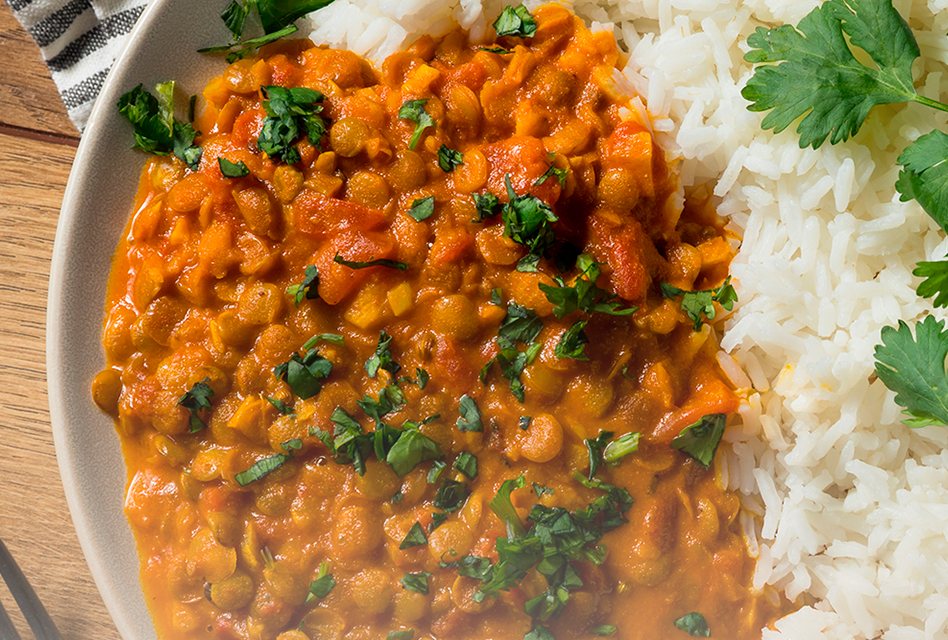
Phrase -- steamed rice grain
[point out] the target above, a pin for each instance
(851, 506)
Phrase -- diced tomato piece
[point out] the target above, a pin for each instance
(320, 216)
(336, 281)
(709, 394)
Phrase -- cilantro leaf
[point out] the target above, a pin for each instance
(196, 400)
(695, 624)
(390, 400)
(291, 112)
(402, 634)
(422, 208)
(603, 630)
(595, 447)
(699, 305)
(411, 449)
(519, 325)
(308, 289)
(515, 21)
(525, 422)
(819, 76)
(417, 582)
(560, 175)
(276, 14)
(156, 130)
(304, 374)
(936, 281)
(438, 518)
(503, 508)
(915, 370)
(434, 472)
(584, 294)
(414, 538)
(499, 50)
(261, 468)
(449, 159)
(280, 406)
(487, 206)
(382, 358)
(466, 463)
(512, 362)
(700, 440)
(237, 50)
(539, 632)
(322, 585)
(414, 110)
(233, 169)
(451, 495)
(527, 221)
(234, 17)
(572, 344)
(423, 378)
(355, 264)
(332, 338)
(924, 176)
(542, 490)
(470, 419)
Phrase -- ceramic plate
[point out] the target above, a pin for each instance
(97, 203)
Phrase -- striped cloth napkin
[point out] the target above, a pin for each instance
(80, 40)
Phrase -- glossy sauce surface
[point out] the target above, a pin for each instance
(198, 295)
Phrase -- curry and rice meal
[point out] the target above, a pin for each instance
(431, 349)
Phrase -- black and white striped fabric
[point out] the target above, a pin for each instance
(79, 40)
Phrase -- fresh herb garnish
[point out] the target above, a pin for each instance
(451, 495)
(699, 305)
(438, 518)
(525, 422)
(915, 369)
(411, 449)
(304, 374)
(403, 634)
(196, 400)
(553, 171)
(331, 338)
(503, 508)
(422, 208)
(437, 466)
(322, 585)
(264, 467)
(572, 344)
(275, 14)
(290, 112)
(423, 378)
(515, 21)
(499, 50)
(382, 358)
(466, 463)
(519, 325)
(156, 130)
(233, 169)
(417, 582)
(539, 632)
(603, 630)
(235, 15)
(276, 17)
(695, 624)
(449, 159)
(620, 448)
(237, 50)
(281, 406)
(527, 221)
(308, 289)
(700, 440)
(414, 538)
(355, 264)
(414, 110)
(542, 490)
(470, 419)
(487, 206)
(594, 448)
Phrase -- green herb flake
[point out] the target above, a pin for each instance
(234, 17)
(233, 169)
(603, 630)
(382, 358)
(499, 50)
(237, 50)
(304, 374)
(331, 338)
(583, 295)
(449, 159)
(322, 585)
(542, 490)
(487, 206)
(503, 508)
(308, 289)
(699, 305)
(525, 422)
(355, 264)
(619, 448)
(437, 519)
(700, 440)
(417, 582)
(451, 495)
(466, 463)
(572, 344)
(539, 632)
(414, 110)
(411, 449)
(261, 468)
(924, 176)
(422, 208)
(553, 171)
(414, 538)
(515, 21)
(470, 419)
(527, 221)
(155, 128)
(403, 634)
(196, 400)
(935, 284)
(281, 406)
(291, 113)
(423, 378)
(695, 624)
(595, 448)
(435, 471)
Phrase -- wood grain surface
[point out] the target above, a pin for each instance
(37, 146)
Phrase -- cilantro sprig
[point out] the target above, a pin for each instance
(276, 17)
(291, 113)
(414, 110)
(156, 129)
(197, 400)
(699, 305)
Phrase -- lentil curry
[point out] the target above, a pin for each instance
(406, 357)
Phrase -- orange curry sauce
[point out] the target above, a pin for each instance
(198, 294)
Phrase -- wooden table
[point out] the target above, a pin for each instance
(37, 146)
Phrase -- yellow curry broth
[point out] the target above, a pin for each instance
(198, 294)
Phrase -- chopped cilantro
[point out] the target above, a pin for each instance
(539, 632)
(603, 630)
(308, 289)
(499, 50)
(525, 422)
(233, 169)
(542, 490)
(700, 440)
(411, 449)
(503, 508)
(402, 634)
(512, 362)
(438, 518)
(935, 284)
(449, 159)
(237, 50)
(496, 297)
(572, 344)
(434, 472)
(515, 21)
(382, 358)
(695, 624)
(487, 206)
(417, 582)
(414, 538)
(234, 17)
(390, 400)
(423, 378)
(281, 406)
(422, 208)
(451, 495)
(519, 325)
(354, 264)
(466, 463)
(196, 400)
(275, 14)
(584, 294)
(261, 468)
(304, 374)
(470, 419)
(290, 112)
(620, 448)
(595, 447)
(699, 305)
(414, 110)
(553, 171)
(527, 221)
(924, 176)
(322, 585)
(332, 338)
(156, 130)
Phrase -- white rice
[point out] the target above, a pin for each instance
(851, 506)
